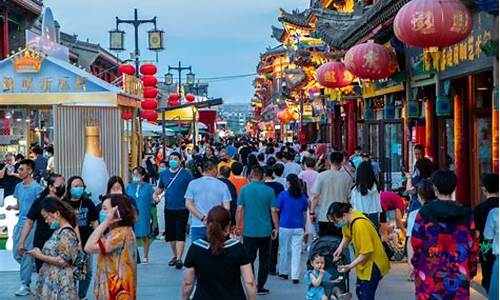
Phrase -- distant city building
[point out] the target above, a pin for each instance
(234, 117)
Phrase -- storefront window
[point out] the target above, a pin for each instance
(484, 143)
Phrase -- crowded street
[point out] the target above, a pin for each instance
(234, 150)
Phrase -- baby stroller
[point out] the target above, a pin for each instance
(326, 246)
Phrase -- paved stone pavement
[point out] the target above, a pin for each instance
(158, 281)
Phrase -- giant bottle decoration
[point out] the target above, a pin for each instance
(94, 170)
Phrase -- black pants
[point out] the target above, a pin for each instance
(326, 228)
(263, 245)
(487, 260)
(274, 255)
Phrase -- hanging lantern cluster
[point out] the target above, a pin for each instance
(285, 116)
(150, 92)
(174, 99)
(433, 25)
(370, 61)
(334, 75)
(127, 114)
(127, 69)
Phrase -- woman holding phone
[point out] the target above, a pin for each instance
(116, 274)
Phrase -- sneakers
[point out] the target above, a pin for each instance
(179, 264)
(23, 290)
(262, 291)
(283, 276)
(173, 261)
(295, 281)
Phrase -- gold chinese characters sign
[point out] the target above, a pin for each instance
(30, 84)
(132, 85)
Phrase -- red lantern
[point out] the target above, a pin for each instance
(174, 102)
(190, 98)
(149, 115)
(127, 115)
(149, 104)
(370, 61)
(148, 69)
(149, 80)
(126, 69)
(150, 92)
(432, 23)
(174, 97)
(334, 75)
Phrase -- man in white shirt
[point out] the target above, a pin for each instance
(291, 167)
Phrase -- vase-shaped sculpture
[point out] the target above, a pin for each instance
(94, 170)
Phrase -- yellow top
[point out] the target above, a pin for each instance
(225, 164)
(365, 239)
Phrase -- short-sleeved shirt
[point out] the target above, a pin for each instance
(26, 196)
(206, 192)
(116, 262)
(291, 210)
(365, 239)
(391, 201)
(276, 186)
(238, 182)
(42, 231)
(174, 195)
(86, 213)
(291, 167)
(309, 176)
(217, 277)
(257, 199)
(491, 229)
(331, 186)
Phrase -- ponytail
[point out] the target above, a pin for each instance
(217, 221)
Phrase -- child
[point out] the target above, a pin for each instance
(316, 278)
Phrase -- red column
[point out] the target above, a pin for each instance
(352, 137)
(462, 144)
(430, 132)
(494, 144)
(5, 34)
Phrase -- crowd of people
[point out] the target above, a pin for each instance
(241, 199)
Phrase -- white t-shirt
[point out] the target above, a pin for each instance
(331, 186)
(367, 204)
(292, 168)
(491, 229)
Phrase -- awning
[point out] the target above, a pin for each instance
(149, 129)
(181, 114)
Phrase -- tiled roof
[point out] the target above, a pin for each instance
(297, 18)
(277, 33)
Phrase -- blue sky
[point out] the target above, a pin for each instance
(218, 37)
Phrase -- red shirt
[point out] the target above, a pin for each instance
(391, 201)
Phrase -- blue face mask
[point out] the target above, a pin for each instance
(136, 179)
(77, 192)
(341, 224)
(173, 164)
(102, 216)
(55, 225)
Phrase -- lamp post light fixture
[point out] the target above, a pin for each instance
(190, 78)
(169, 78)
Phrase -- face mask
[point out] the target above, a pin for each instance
(173, 164)
(102, 216)
(161, 169)
(341, 224)
(77, 192)
(60, 191)
(55, 225)
(136, 179)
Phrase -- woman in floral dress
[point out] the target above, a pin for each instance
(55, 278)
(116, 276)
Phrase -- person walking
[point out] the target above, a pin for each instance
(224, 174)
(371, 262)
(174, 182)
(56, 189)
(333, 185)
(25, 192)
(291, 167)
(87, 221)
(489, 188)
(445, 244)
(114, 241)
(55, 278)
(309, 176)
(218, 263)
(491, 233)
(201, 195)
(365, 196)
(142, 192)
(292, 206)
(257, 208)
(236, 179)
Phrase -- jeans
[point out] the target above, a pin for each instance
(263, 246)
(493, 291)
(198, 233)
(294, 237)
(83, 285)
(26, 261)
(365, 289)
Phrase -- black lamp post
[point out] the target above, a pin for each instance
(169, 78)
(155, 37)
